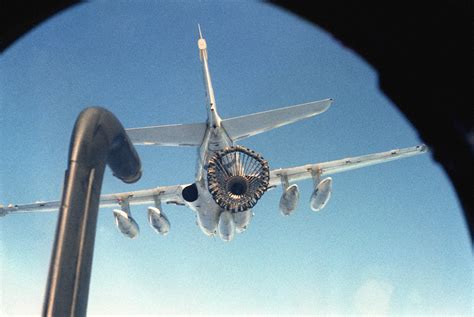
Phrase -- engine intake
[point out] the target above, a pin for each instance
(237, 177)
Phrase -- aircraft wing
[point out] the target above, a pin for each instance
(166, 194)
(169, 135)
(244, 126)
(306, 171)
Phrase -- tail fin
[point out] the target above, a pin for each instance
(213, 117)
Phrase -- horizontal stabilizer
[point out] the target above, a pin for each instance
(244, 126)
(169, 135)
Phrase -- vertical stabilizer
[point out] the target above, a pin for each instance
(213, 117)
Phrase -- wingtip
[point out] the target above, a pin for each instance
(423, 148)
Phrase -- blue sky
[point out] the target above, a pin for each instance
(391, 240)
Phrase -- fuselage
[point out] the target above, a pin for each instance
(208, 212)
(215, 139)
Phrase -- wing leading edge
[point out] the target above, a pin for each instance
(172, 194)
(299, 173)
(165, 194)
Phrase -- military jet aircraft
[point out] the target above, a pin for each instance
(230, 179)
